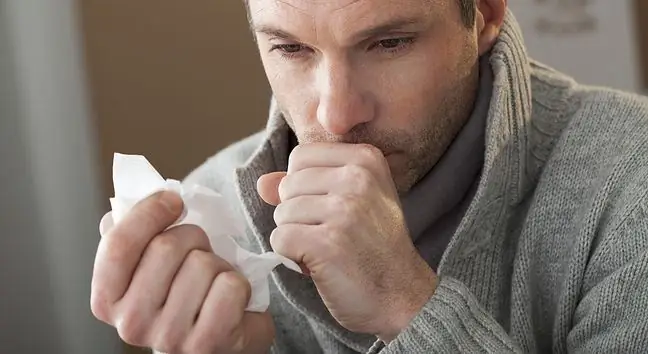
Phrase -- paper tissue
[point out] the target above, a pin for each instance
(134, 179)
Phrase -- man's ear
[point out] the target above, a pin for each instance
(490, 17)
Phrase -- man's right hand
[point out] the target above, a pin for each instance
(168, 291)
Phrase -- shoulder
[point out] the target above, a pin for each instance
(217, 171)
(571, 118)
(600, 131)
(556, 95)
(587, 118)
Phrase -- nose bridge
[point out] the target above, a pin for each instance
(343, 102)
(336, 78)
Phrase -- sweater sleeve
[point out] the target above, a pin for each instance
(452, 321)
(611, 315)
(611, 318)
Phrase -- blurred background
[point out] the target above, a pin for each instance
(176, 82)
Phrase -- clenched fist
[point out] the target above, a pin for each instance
(168, 291)
(339, 215)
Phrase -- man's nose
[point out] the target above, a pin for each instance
(343, 104)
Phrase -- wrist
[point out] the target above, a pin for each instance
(398, 322)
(403, 311)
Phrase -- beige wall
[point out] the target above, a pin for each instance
(173, 80)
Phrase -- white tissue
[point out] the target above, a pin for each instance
(135, 178)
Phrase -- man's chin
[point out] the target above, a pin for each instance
(405, 176)
(401, 175)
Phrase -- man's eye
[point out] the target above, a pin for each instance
(291, 48)
(392, 45)
(288, 50)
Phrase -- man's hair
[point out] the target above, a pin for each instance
(468, 10)
(467, 7)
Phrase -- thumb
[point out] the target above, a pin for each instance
(268, 187)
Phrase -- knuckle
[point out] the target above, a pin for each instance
(279, 239)
(100, 306)
(333, 244)
(276, 239)
(164, 244)
(132, 330)
(283, 188)
(191, 235)
(334, 235)
(202, 259)
(369, 152)
(337, 200)
(167, 341)
(279, 212)
(296, 156)
(360, 176)
(235, 282)
(347, 205)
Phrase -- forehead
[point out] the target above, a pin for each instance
(344, 12)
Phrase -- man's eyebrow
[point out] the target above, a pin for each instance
(275, 32)
(392, 25)
(374, 31)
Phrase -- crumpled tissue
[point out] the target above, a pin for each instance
(134, 179)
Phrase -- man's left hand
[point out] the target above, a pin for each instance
(338, 214)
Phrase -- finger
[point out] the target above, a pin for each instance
(304, 209)
(121, 248)
(309, 181)
(186, 296)
(221, 313)
(337, 155)
(299, 242)
(346, 180)
(267, 187)
(159, 265)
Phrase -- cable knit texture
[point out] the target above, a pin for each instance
(552, 254)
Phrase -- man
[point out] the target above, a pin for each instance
(442, 191)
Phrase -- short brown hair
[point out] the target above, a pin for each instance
(468, 12)
(467, 8)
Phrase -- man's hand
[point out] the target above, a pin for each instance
(339, 215)
(168, 291)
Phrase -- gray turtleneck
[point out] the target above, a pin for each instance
(436, 204)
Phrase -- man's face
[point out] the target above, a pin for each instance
(399, 75)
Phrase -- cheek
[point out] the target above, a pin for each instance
(412, 89)
(293, 92)
(406, 92)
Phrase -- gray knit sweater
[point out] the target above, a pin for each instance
(552, 254)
